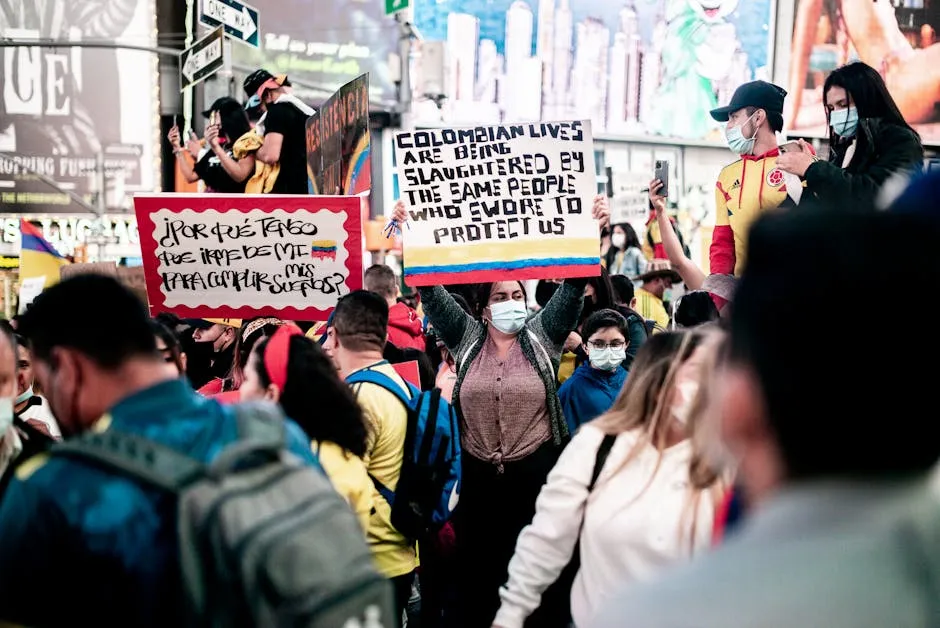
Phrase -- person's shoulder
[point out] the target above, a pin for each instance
(891, 134)
(730, 170)
(374, 396)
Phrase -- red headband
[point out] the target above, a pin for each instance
(277, 354)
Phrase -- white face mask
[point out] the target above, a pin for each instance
(607, 359)
(508, 316)
(26, 396)
(6, 414)
(618, 240)
(683, 406)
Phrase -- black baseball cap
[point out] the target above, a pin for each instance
(222, 105)
(758, 94)
(256, 80)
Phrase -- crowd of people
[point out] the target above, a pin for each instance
(624, 457)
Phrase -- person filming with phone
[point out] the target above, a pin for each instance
(215, 164)
(754, 184)
(869, 141)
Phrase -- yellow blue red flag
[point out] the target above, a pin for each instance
(38, 258)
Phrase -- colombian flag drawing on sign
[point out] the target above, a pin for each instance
(38, 258)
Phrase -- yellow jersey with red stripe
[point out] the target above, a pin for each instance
(744, 190)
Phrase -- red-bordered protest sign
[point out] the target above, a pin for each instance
(240, 256)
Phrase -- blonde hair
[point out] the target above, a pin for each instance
(643, 407)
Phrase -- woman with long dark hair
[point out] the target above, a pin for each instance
(869, 142)
(215, 163)
(293, 371)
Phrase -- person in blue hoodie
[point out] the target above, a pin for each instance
(592, 388)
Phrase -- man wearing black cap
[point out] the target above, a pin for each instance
(753, 184)
(284, 126)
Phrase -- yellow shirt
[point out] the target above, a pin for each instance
(348, 474)
(651, 308)
(387, 419)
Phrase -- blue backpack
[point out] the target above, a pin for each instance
(429, 485)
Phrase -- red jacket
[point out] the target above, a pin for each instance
(404, 328)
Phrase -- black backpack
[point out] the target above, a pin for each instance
(264, 540)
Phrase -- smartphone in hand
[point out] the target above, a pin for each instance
(790, 147)
(661, 172)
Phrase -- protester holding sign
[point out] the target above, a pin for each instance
(513, 427)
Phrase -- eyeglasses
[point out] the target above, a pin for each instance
(600, 345)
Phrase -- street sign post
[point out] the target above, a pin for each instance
(202, 59)
(394, 6)
(241, 21)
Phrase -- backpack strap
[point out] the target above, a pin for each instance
(602, 452)
(369, 376)
(383, 490)
(134, 456)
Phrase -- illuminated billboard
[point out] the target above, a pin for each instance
(61, 107)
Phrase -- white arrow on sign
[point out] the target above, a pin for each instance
(240, 21)
(198, 59)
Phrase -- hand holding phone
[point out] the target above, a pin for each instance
(790, 147)
(661, 172)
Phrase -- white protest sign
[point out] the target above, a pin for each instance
(499, 202)
(30, 288)
(630, 200)
(245, 256)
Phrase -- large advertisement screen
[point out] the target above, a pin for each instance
(61, 107)
(897, 38)
(323, 45)
(637, 68)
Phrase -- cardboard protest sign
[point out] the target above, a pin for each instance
(108, 269)
(132, 277)
(499, 202)
(339, 142)
(630, 199)
(241, 256)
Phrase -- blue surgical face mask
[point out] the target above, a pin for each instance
(844, 121)
(608, 358)
(739, 144)
(508, 316)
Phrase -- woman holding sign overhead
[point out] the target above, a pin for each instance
(512, 425)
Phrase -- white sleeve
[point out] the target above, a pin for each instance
(546, 545)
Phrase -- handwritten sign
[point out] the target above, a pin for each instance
(499, 202)
(630, 197)
(339, 142)
(240, 256)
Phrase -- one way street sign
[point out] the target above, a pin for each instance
(240, 20)
(202, 59)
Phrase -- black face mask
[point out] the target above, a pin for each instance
(199, 357)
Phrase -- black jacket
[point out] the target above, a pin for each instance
(882, 150)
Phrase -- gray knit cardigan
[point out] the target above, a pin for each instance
(542, 340)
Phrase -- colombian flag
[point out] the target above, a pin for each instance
(38, 258)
